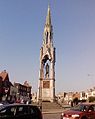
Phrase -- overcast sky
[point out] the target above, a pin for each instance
(21, 34)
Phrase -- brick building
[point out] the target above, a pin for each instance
(23, 91)
(4, 85)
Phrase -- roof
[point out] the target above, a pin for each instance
(4, 75)
(18, 104)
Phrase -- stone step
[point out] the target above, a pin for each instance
(50, 105)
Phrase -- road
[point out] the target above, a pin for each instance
(52, 116)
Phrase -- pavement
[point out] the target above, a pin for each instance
(48, 111)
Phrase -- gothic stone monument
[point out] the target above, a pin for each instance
(46, 85)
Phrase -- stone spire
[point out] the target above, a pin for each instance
(48, 17)
(48, 32)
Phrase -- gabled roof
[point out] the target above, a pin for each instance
(4, 75)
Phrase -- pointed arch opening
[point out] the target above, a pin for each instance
(46, 62)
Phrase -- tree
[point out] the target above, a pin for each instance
(75, 101)
(91, 99)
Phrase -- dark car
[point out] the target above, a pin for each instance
(80, 111)
(20, 111)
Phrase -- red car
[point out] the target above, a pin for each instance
(80, 111)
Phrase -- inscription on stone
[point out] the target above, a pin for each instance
(46, 84)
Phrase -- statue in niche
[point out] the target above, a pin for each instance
(47, 71)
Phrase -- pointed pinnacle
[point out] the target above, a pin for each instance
(48, 17)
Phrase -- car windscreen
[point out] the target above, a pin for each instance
(80, 107)
(2, 107)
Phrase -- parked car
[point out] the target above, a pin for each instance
(4, 103)
(20, 111)
(80, 111)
